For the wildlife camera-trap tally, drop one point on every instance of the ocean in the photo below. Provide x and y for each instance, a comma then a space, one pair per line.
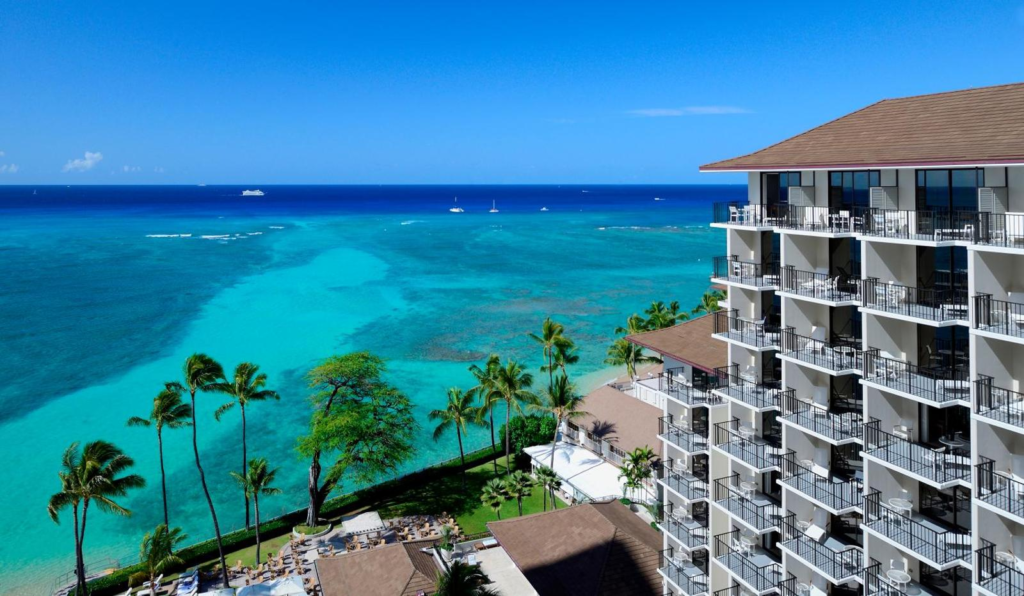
104, 291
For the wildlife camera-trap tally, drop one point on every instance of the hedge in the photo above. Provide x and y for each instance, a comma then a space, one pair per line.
204, 552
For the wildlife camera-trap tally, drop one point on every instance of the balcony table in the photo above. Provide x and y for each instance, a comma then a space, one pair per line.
901, 506
1006, 558
747, 432
749, 542
748, 489
899, 578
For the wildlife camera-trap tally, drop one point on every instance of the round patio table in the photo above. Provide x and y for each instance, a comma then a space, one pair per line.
898, 577
901, 505
1006, 558
749, 542
748, 488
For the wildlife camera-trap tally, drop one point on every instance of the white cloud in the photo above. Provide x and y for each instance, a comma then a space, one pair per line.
2, 154
9, 168
687, 111
83, 165
131, 168
158, 170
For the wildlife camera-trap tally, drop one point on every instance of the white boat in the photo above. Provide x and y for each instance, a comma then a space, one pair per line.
544, 209
658, 199
494, 207
456, 208
252, 193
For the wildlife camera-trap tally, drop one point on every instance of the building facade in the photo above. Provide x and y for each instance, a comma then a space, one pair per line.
866, 435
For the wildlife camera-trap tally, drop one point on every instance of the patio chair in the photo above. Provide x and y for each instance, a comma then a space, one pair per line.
938, 459
734, 214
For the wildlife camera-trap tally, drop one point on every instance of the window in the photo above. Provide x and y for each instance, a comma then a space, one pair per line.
949, 190
776, 187
852, 189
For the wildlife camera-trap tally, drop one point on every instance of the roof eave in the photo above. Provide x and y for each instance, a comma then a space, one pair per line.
1014, 161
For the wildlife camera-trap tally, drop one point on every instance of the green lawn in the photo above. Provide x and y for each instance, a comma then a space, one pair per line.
248, 555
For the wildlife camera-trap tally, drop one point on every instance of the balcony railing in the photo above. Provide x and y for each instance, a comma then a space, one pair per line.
996, 576
686, 484
997, 403
839, 565
755, 508
683, 573
761, 275
755, 334
932, 304
822, 286
935, 465
755, 568
673, 383
999, 489
837, 493
681, 436
998, 316
745, 214
836, 357
689, 532
876, 582
823, 219
763, 395
935, 226
818, 419
758, 452
1000, 229
940, 546
939, 384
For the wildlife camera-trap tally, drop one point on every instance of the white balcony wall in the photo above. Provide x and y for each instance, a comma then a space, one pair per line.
754, 188
883, 552
907, 183
745, 245
891, 411
898, 338
1001, 275
806, 383
1006, 534
1003, 361
891, 484
820, 188
804, 317
890, 262
808, 447
805, 253
805, 510
1004, 446
1015, 188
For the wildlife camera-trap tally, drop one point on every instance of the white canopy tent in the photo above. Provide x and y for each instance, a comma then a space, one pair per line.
362, 523
580, 468
288, 586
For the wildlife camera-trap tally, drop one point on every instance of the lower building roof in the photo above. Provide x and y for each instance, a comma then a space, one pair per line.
688, 342
401, 569
620, 419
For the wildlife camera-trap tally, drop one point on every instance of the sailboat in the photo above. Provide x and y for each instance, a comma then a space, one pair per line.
456, 208
494, 207
543, 208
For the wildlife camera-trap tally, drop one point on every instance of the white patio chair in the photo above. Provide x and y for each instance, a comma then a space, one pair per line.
734, 214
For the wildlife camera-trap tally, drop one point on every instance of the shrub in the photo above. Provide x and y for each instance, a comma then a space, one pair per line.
527, 431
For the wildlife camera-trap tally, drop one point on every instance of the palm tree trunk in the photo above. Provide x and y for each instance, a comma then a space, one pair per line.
462, 455
79, 563
245, 464
545, 499
206, 492
163, 476
551, 372
313, 512
519, 501
84, 590
490, 412
508, 433
554, 439
256, 504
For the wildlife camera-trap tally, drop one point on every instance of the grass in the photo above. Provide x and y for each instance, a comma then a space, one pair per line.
307, 530
248, 554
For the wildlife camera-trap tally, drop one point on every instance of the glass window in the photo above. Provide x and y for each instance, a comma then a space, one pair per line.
949, 190
852, 188
835, 179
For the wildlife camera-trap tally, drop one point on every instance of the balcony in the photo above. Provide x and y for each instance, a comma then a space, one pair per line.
1003, 230
677, 387
877, 583
994, 575
825, 220
745, 502
998, 316
820, 286
936, 305
755, 334
839, 358
686, 484
921, 226
938, 465
681, 436
742, 442
941, 385
1001, 489
687, 530
746, 215
834, 492
996, 403
757, 275
752, 565
925, 537
839, 561
766, 395
839, 427
681, 571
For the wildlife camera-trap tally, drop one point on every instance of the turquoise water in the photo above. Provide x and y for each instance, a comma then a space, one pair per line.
97, 313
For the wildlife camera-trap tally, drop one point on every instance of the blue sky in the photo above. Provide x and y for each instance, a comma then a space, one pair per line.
459, 92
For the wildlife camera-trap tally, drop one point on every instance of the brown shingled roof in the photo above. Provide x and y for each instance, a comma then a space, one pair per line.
623, 421
393, 570
688, 342
596, 549
972, 126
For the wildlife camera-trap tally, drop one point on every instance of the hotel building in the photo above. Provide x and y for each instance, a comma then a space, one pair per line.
866, 435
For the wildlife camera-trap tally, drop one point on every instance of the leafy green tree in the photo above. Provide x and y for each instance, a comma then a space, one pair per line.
513, 385
94, 474
551, 337
638, 468
358, 417
634, 324
624, 352
246, 386
660, 316
527, 431
257, 481
168, 412
462, 579
487, 389
518, 486
550, 482
493, 495
562, 403
458, 413
157, 556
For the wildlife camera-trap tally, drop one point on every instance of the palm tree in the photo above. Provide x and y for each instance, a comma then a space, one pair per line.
634, 324
168, 411
92, 475
550, 482
708, 302
462, 579
493, 495
518, 486
513, 384
623, 352
248, 385
156, 555
550, 337
257, 481
659, 316
566, 354
562, 403
638, 467
201, 374
487, 388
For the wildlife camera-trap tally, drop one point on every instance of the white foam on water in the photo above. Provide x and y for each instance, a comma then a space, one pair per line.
216, 237
412, 221
254, 233
276, 227
168, 235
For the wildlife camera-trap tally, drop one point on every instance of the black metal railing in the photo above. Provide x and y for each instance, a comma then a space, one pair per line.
996, 576
932, 304
682, 573
833, 220
998, 316
936, 226
832, 356
762, 515
672, 383
876, 583
756, 334
839, 565
837, 426
999, 488
680, 436
835, 288
837, 493
689, 486
939, 384
745, 214
689, 533
997, 403
936, 465
761, 577
1000, 229
760, 452
941, 547
763, 395
761, 275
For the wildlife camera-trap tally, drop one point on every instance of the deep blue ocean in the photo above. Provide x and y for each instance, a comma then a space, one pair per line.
105, 290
